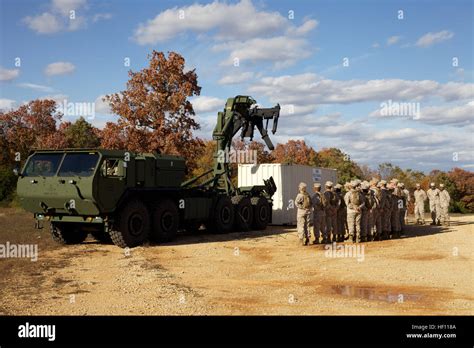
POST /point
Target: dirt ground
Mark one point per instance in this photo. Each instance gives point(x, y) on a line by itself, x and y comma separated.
point(428, 272)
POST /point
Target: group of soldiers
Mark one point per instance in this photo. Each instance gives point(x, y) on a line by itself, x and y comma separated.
point(363, 211)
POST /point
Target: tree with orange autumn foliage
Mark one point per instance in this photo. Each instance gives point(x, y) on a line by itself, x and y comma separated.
point(154, 111)
point(294, 152)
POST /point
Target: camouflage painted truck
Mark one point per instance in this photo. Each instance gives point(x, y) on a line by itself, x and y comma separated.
point(130, 197)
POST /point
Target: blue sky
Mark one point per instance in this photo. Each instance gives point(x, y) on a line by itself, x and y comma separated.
point(291, 52)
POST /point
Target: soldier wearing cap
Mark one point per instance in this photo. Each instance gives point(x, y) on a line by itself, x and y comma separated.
point(330, 212)
point(404, 211)
point(397, 203)
point(402, 205)
point(376, 211)
point(319, 203)
point(365, 234)
point(355, 203)
point(341, 215)
point(386, 209)
point(444, 200)
point(348, 186)
point(420, 198)
point(433, 197)
point(303, 203)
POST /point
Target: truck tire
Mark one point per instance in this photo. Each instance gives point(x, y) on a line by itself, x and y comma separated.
point(223, 216)
point(67, 233)
point(243, 213)
point(261, 213)
point(165, 221)
point(132, 225)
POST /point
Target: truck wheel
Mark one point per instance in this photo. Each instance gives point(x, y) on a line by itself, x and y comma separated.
point(223, 217)
point(67, 233)
point(243, 213)
point(132, 225)
point(261, 213)
point(165, 221)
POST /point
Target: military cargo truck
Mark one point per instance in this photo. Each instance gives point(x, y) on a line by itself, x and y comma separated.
point(129, 198)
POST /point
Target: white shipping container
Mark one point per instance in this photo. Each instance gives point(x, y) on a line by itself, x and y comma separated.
point(287, 178)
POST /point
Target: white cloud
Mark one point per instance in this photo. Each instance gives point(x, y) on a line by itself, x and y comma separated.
point(8, 74)
point(214, 16)
point(6, 104)
point(36, 87)
point(459, 115)
point(102, 107)
point(256, 36)
point(309, 88)
point(392, 40)
point(58, 17)
point(430, 39)
point(305, 28)
point(59, 68)
point(58, 98)
point(204, 104)
point(45, 23)
point(282, 50)
point(64, 6)
point(233, 79)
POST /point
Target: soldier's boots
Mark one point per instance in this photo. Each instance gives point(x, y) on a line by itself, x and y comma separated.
point(362, 239)
point(340, 238)
point(316, 241)
point(396, 235)
point(385, 235)
point(306, 241)
point(376, 237)
point(326, 240)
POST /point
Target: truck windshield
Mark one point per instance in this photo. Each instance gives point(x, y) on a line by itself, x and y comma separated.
point(79, 164)
point(43, 164)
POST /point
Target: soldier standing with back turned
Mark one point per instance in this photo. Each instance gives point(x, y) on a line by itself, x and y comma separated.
point(420, 198)
point(341, 215)
point(330, 212)
point(433, 196)
point(444, 200)
point(318, 212)
point(303, 203)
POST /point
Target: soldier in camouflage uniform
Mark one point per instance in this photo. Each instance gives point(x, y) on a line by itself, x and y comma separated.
point(403, 202)
point(303, 203)
point(386, 210)
point(365, 234)
point(341, 214)
point(376, 210)
point(330, 212)
point(444, 200)
point(420, 198)
point(395, 211)
point(319, 217)
point(433, 196)
point(348, 187)
point(354, 209)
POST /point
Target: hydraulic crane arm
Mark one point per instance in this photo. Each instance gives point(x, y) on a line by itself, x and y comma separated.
point(240, 114)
